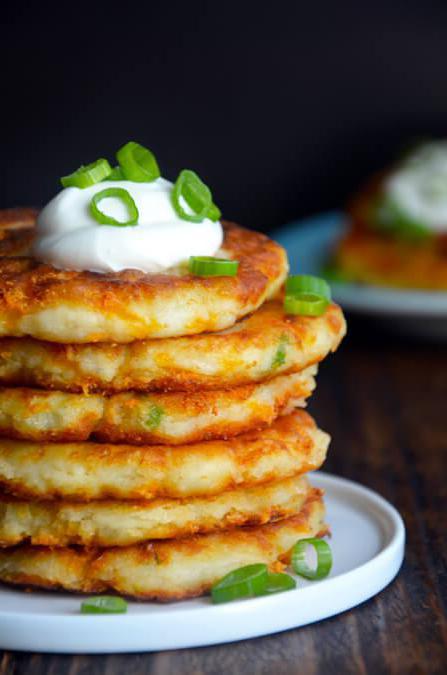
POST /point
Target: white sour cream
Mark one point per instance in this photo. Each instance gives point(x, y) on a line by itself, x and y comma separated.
point(419, 186)
point(68, 237)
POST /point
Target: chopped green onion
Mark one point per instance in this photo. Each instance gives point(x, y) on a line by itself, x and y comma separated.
point(88, 175)
point(305, 304)
point(119, 193)
point(335, 274)
point(306, 283)
point(154, 417)
point(277, 583)
point(213, 213)
point(324, 558)
point(191, 189)
point(137, 163)
point(104, 604)
point(306, 295)
point(117, 174)
point(204, 266)
point(245, 582)
point(390, 218)
point(280, 355)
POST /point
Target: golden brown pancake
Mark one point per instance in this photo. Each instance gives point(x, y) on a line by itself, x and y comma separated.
point(41, 301)
point(137, 418)
point(121, 523)
point(369, 255)
point(162, 570)
point(84, 471)
point(265, 344)
point(379, 260)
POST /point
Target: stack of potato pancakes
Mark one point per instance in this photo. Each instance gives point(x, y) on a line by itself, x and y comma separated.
point(153, 436)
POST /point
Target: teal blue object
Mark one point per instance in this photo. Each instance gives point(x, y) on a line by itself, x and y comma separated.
point(310, 241)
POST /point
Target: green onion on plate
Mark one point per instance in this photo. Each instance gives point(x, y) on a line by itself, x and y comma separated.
point(104, 604)
point(277, 583)
point(324, 558)
point(245, 582)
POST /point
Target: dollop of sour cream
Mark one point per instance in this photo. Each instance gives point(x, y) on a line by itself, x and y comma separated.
point(69, 237)
point(419, 186)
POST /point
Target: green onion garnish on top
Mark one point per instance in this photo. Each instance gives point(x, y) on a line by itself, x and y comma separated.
point(119, 193)
point(117, 174)
point(390, 218)
point(306, 283)
point(191, 191)
point(205, 266)
point(104, 604)
point(306, 295)
point(88, 175)
point(137, 163)
point(324, 558)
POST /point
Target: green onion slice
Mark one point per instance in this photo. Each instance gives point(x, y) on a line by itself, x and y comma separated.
point(305, 304)
point(154, 417)
point(137, 163)
point(277, 583)
point(306, 283)
point(391, 219)
point(88, 175)
point(104, 604)
point(192, 190)
point(204, 266)
point(245, 582)
point(213, 213)
point(306, 295)
point(324, 558)
point(125, 197)
point(281, 352)
point(117, 174)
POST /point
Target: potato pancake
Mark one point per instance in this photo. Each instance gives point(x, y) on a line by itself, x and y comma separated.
point(162, 570)
point(265, 344)
point(136, 418)
point(117, 523)
point(66, 306)
point(373, 258)
point(370, 255)
point(83, 471)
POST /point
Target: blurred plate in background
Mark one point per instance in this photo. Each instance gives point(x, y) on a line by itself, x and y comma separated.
point(309, 243)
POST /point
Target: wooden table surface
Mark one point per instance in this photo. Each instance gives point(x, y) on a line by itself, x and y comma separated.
point(385, 403)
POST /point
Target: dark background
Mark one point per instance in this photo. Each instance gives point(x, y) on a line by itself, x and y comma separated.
point(282, 107)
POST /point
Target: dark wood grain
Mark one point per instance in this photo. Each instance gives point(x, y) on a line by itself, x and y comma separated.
point(385, 403)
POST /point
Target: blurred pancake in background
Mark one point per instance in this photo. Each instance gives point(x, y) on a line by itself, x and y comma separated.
point(397, 233)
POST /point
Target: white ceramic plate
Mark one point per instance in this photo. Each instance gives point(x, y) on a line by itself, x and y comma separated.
point(309, 243)
point(368, 546)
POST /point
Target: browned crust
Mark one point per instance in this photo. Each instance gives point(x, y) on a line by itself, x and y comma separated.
point(292, 445)
point(263, 329)
point(92, 570)
point(117, 419)
point(28, 286)
point(63, 523)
